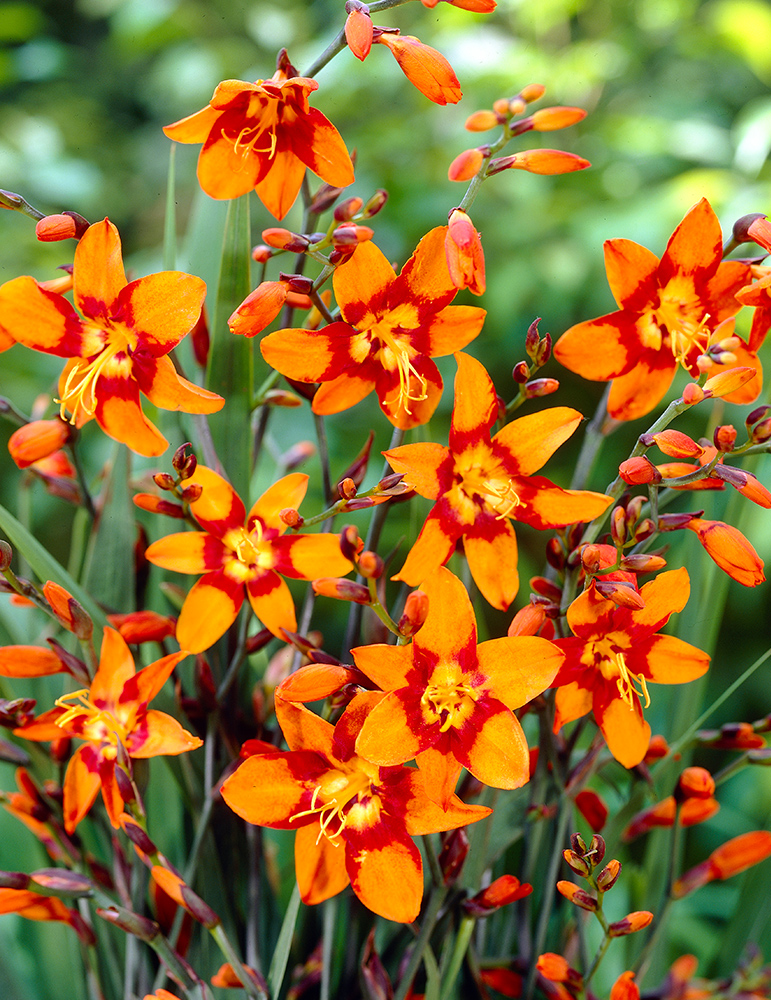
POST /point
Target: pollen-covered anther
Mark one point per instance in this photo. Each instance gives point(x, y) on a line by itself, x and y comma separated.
point(95, 723)
point(336, 791)
point(407, 392)
point(244, 147)
point(79, 393)
point(454, 700)
point(615, 667)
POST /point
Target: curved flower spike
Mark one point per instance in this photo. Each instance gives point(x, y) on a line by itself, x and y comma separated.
point(613, 654)
point(262, 136)
point(118, 350)
point(393, 326)
point(235, 551)
point(354, 820)
point(668, 311)
point(479, 483)
point(114, 710)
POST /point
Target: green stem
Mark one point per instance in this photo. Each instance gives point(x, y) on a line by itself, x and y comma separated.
point(462, 939)
point(438, 894)
point(227, 949)
point(598, 958)
point(339, 42)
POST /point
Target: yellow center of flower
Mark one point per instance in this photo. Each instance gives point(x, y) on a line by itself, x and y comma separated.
point(245, 143)
point(678, 322)
point(395, 354)
point(79, 393)
point(251, 552)
point(344, 798)
point(93, 723)
point(449, 696)
point(483, 477)
point(611, 663)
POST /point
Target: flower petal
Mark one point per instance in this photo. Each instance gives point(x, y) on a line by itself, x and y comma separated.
point(492, 560)
point(666, 659)
point(163, 736)
point(279, 188)
point(362, 284)
point(306, 557)
point(286, 492)
point(219, 507)
point(45, 321)
point(119, 414)
point(450, 626)
point(625, 730)
point(29, 661)
point(272, 602)
point(531, 441)
point(319, 865)
point(116, 667)
point(636, 393)
point(81, 785)
point(98, 273)
point(187, 552)
point(268, 789)
point(519, 668)
point(395, 731)
point(161, 308)
point(433, 547)
point(426, 467)
point(631, 271)
point(158, 380)
point(209, 610)
point(492, 746)
point(386, 871)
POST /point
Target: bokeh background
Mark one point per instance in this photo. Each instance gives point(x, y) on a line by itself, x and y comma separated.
point(679, 108)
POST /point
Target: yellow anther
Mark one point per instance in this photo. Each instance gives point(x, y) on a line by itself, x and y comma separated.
point(626, 681)
point(407, 371)
point(342, 789)
point(451, 699)
point(243, 148)
point(80, 386)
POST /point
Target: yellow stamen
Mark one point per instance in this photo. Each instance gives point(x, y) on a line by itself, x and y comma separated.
point(244, 148)
point(407, 371)
point(501, 492)
point(80, 386)
point(456, 699)
point(98, 723)
point(626, 680)
point(337, 790)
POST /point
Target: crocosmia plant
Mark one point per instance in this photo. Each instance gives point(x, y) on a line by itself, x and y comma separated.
point(337, 660)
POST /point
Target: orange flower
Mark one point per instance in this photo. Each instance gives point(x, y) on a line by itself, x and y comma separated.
point(263, 135)
point(449, 702)
point(478, 483)
point(33, 906)
point(625, 988)
point(235, 550)
point(113, 711)
point(728, 547)
point(669, 314)
point(392, 327)
point(119, 349)
point(354, 820)
point(612, 656)
point(731, 858)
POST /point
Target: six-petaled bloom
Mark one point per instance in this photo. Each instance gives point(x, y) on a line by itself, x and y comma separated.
point(354, 820)
point(262, 136)
point(119, 349)
point(114, 710)
point(670, 314)
point(449, 702)
point(235, 550)
point(612, 656)
point(391, 327)
point(479, 483)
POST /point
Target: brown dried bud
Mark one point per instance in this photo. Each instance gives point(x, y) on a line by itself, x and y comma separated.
point(577, 863)
point(184, 463)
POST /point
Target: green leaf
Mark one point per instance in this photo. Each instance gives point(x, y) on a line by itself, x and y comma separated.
point(230, 358)
point(44, 566)
point(283, 945)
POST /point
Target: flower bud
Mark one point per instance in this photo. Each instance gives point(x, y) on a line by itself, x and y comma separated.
point(191, 493)
point(184, 463)
point(673, 443)
point(482, 121)
point(350, 542)
point(261, 254)
point(155, 505)
point(760, 231)
point(342, 590)
point(466, 165)
point(578, 844)
point(596, 849)
point(375, 204)
point(132, 923)
point(349, 236)
point(358, 29)
point(532, 92)
point(638, 471)
point(556, 969)
point(541, 387)
point(38, 439)
point(501, 107)
point(69, 612)
point(455, 848)
point(577, 896)
point(727, 382)
point(143, 626)
point(632, 922)
point(577, 864)
point(527, 621)
point(551, 119)
point(504, 890)
point(53, 228)
point(761, 432)
point(521, 372)
point(290, 517)
point(283, 239)
point(371, 565)
point(415, 613)
point(609, 874)
point(695, 782)
point(347, 209)
point(741, 228)
point(591, 558)
point(6, 555)
point(164, 481)
point(137, 835)
point(693, 393)
point(540, 161)
point(724, 437)
point(642, 563)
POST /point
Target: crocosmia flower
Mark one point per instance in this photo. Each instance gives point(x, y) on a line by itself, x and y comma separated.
point(354, 820)
point(479, 483)
point(612, 656)
point(119, 348)
point(668, 316)
point(393, 326)
point(449, 701)
point(262, 136)
point(235, 551)
point(114, 710)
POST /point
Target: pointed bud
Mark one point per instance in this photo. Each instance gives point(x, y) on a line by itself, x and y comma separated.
point(541, 387)
point(358, 29)
point(609, 875)
point(347, 209)
point(283, 239)
point(37, 440)
point(415, 613)
point(138, 836)
point(638, 471)
point(695, 782)
point(466, 165)
point(577, 896)
point(342, 590)
point(540, 161)
point(727, 382)
point(551, 119)
point(68, 225)
point(424, 67)
point(375, 203)
point(527, 621)
point(70, 613)
point(532, 92)
point(556, 969)
point(577, 863)
point(632, 922)
point(455, 848)
point(673, 443)
point(642, 563)
point(132, 923)
point(482, 121)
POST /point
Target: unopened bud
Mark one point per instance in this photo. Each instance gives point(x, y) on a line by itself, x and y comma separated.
point(638, 471)
point(728, 381)
point(591, 558)
point(578, 844)
point(544, 350)
point(350, 235)
point(342, 590)
point(466, 165)
point(184, 463)
point(347, 488)
point(521, 372)
point(577, 863)
point(371, 565)
point(347, 209)
point(283, 398)
point(261, 253)
point(350, 542)
point(532, 92)
point(546, 588)
point(532, 339)
point(501, 107)
point(415, 613)
point(725, 437)
point(164, 481)
point(191, 493)
point(38, 439)
point(609, 874)
point(290, 517)
point(618, 525)
point(632, 922)
point(375, 204)
point(577, 896)
point(641, 563)
point(455, 848)
point(551, 119)
point(761, 432)
point(132, 923)
point(596, 849)
point(644, 529)
point(695, 783)
point(138, 836)
point(527, 621)
point(541, 387)
point(69, 612)
point(483, 121)
point(622, 594)
point(68, 225)
point(693, 393)
point(741, 228)
point(283, 239)
point(13, 880)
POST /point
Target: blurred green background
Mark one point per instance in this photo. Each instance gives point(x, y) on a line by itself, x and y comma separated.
point(679, 108)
